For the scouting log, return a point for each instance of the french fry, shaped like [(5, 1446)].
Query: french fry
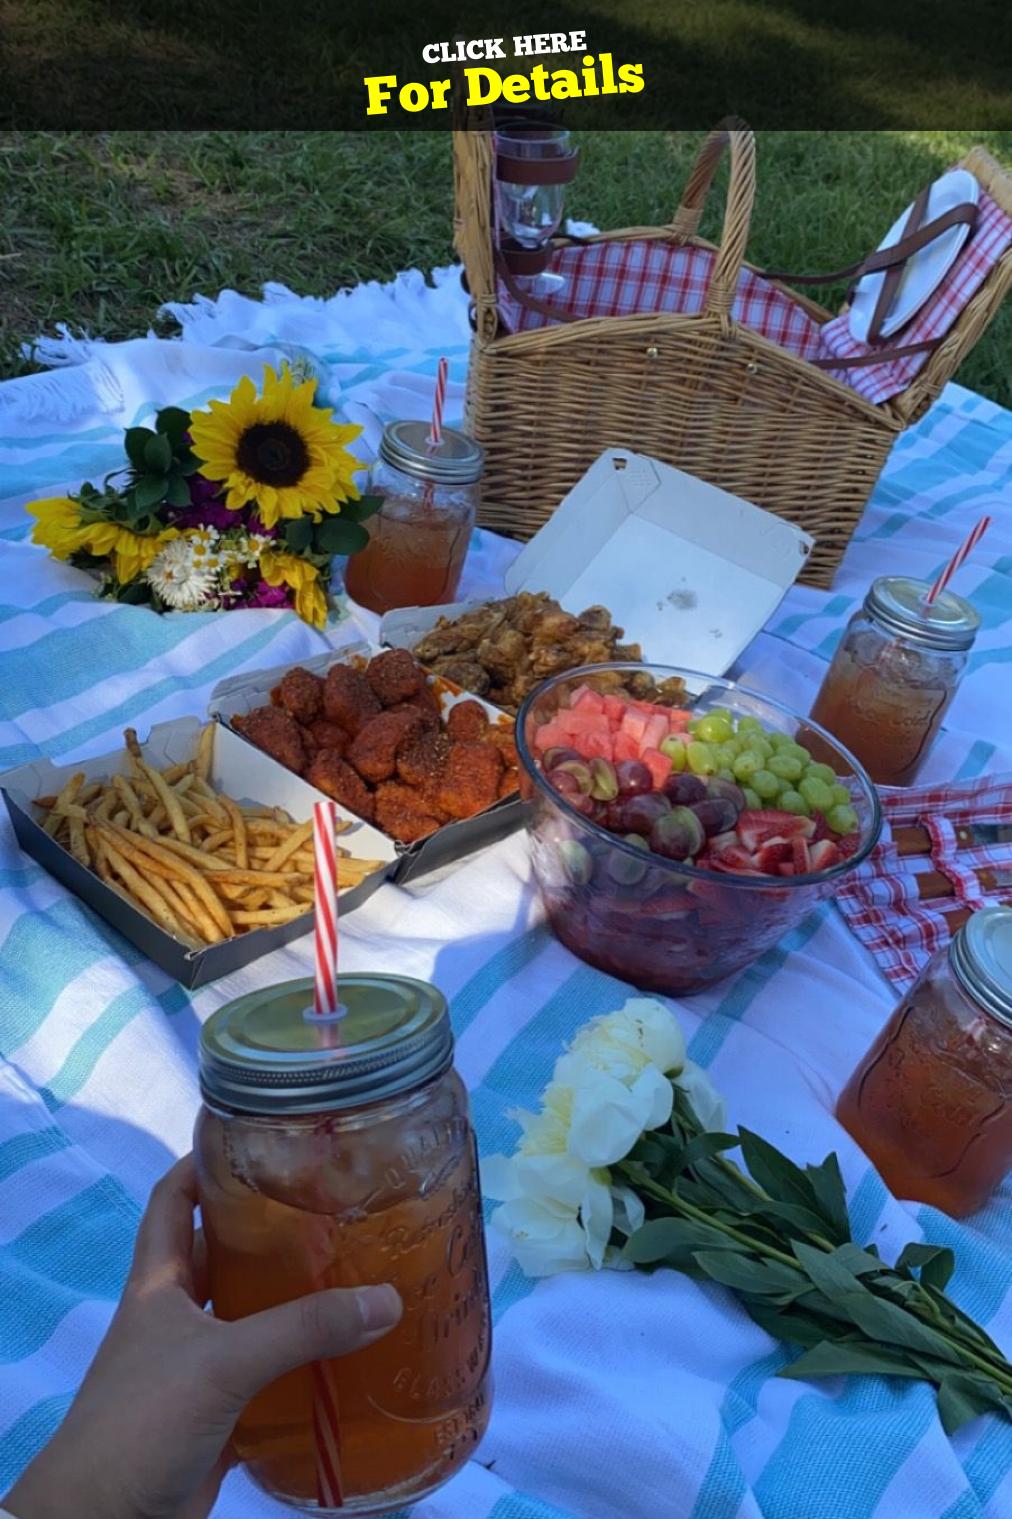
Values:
[(132, 803), (266, 915), (205, 751), (166, 795), (67, 795), (143, 891), (237, 877), (293, 842), (160, 859), (78, 845), (238, 830)]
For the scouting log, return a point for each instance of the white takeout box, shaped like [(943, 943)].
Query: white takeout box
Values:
[(690, 571), (241, 772)]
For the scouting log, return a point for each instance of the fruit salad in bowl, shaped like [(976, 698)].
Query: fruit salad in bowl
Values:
[(679, 823)]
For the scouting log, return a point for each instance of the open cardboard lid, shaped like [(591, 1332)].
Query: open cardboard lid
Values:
[(690, 571)]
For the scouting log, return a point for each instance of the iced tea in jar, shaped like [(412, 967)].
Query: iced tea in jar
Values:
[(931, 1102), (894, 674), (345, 1167)]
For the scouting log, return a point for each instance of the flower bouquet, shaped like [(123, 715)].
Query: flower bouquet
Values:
[(243, 504), (626, 1166)]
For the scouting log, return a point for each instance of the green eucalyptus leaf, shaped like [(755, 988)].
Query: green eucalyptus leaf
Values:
[(831, 1197), (136, 593), (337, 536), (850, 1358), (362, 509), (174, 422), (936, 1264), (157, 453), (745, 1274), (135, 442), (148, 491), (299, 534), (178, 493), (187, 462)]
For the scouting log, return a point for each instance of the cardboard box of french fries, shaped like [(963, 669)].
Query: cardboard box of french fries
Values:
[(193, 845)]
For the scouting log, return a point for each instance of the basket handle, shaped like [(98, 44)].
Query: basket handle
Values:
[(732, 135)]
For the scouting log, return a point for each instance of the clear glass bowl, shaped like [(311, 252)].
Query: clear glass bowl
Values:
[(660, 924)]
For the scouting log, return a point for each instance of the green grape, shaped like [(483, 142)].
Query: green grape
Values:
[(674, 749), (749, 725), (724, 755), (765, 784), (822, 773), (816, 793), (780, 740), (842, 819), (793, 801), (798, 751), (725, 775), (715, 728), (752, 798), (700, 757), (747, 764), (762, 746), (785, 765), (841, 796)]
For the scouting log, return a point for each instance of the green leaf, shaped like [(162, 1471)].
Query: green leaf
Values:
[(362, 509), (850, 1358), (859, 1261), (178, 493), (337, 536), (801, 1220), (794, 1325), (149, 490), (157, 453), (668, 1239), (135, 442), (135, 593), (936, 1263), (174, 422), (187, 462), (745, 1274), (776, 1174), (299, 534), (831, 1197), (963, 1396)]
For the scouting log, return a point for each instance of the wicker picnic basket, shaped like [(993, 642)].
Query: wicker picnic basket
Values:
[(701, 391)]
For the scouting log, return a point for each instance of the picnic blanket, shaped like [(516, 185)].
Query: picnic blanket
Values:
[(618, 1396)]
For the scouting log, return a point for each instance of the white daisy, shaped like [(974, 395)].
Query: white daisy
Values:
[(179, 579)]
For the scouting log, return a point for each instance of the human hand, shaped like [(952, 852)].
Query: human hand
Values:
[(147, 1435)]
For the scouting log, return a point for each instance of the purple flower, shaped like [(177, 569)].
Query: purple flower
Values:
[(264, 595)]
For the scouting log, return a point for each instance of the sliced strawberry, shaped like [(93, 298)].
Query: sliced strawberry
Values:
[(822, 829), (849, 844), (823, 854), (759, 826), (658, 764), (773, 853), (787, 869), (802, 856), (722, 841), (736, 860)]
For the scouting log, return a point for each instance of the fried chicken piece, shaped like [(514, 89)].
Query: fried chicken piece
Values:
[(599, 620), (550, 658), (400, 811), (627, 651), (349, 699), (422, 761), (555, 627), (502, 736), (276, 733), (467, 720), (466, 673), (331, 774), (395, 676), (510, 783), (503, 654), (373, 750), (427, 708), (301, 694), (327, 735), (470, 782)]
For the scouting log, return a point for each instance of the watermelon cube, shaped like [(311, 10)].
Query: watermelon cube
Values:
[(634, 723), (614, 709), (550, 736), (655, 730), (625, 747), (594, 744), (658, 764), (586, 700)]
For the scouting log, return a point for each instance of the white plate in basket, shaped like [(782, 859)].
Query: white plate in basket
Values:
[(925, 269)]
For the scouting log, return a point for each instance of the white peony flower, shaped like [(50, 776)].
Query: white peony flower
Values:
[(707, 1103), (608, 1116), (556, 1213), (643, 1032), (179, 579)]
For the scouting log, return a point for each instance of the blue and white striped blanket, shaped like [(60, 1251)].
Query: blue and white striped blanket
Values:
[(617, 1396)]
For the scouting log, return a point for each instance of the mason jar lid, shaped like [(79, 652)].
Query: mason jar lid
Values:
[(981, 959), (260, 1054), (897, 603), (455, 460)]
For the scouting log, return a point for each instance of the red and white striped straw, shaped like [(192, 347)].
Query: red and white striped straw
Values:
[(325, 1003), (326, 1440), (439, 400), (959, 558)]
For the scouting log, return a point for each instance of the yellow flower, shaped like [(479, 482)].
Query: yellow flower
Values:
[(276, 449), (59, 529), (304, 579)]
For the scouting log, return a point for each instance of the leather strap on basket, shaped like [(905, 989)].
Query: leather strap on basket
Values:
[(537, 171)]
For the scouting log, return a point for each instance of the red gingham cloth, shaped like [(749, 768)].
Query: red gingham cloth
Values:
[(640, 276), (626, 278), (988, 240), (880, 900)]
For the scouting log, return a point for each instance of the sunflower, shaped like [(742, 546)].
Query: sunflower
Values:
[(304, 578), (59, 529), (277, 449)]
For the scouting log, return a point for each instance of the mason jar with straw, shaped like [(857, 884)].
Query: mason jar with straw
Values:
[(334, 1149), (897, 669)]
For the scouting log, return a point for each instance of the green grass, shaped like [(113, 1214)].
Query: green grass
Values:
[(100, 228)]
